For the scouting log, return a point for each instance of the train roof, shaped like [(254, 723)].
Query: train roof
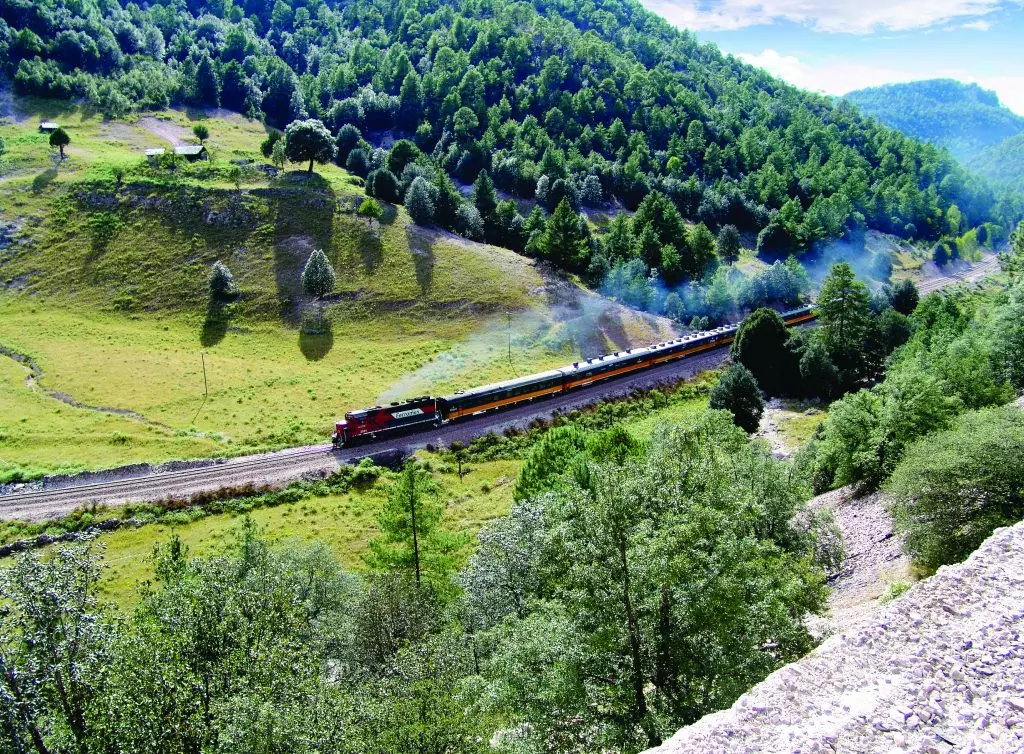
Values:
[(412, 402), (609, 358), (507, 384)]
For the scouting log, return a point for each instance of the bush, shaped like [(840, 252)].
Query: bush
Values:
[(383, 185), (953, 488), (737, 393), (420, 201), (221, 283)]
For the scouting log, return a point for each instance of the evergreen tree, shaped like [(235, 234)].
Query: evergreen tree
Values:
[(563, 242), (201, 132), (383, 185), (419, 201), (701, 244), (736, 392), (843, 310), (410, 101), (318, 276), (485, 199), (221, 283), (762, 346), (904, 297), (207, 91), (411, 541), (267, 145), (348, 139)]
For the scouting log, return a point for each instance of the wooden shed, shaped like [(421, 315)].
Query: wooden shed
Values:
[(192, 152), (48, 126)]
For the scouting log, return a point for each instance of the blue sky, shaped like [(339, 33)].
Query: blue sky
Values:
[(836, 47)]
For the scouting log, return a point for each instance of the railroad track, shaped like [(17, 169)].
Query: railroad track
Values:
[(987, 266), (118, 487)]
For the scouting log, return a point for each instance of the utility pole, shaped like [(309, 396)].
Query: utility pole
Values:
[(509, 315), (206, 387)]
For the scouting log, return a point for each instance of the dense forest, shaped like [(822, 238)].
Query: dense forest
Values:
[(964, 118), (590, 104)]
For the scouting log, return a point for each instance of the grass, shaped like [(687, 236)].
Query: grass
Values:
[(344, 522), (798, 422), (104, 287)]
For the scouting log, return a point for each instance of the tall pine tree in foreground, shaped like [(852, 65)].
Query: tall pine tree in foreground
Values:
[(412, 541)]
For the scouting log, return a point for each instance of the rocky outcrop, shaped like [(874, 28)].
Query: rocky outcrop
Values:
[(940, 669)]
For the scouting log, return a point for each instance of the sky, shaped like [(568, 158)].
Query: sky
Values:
[(835, 47)]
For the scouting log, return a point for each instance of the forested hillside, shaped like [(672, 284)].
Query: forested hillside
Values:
[(591, 104), (964, 118)]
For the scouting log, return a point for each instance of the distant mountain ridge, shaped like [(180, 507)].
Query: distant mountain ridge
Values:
[(964, 118)]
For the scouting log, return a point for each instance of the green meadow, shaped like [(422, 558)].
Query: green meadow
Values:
[(103, 285)]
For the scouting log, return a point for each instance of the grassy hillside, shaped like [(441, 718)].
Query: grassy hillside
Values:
[(103, 284), (345, 522)]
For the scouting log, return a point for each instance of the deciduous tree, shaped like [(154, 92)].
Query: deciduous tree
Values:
[(309, 140)]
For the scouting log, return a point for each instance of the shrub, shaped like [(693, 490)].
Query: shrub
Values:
[(737, 393), (954, 487), (420, 201), (221, 283)]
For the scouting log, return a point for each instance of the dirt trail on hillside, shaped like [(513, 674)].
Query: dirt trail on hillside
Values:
[(171, 132), (34, 378)]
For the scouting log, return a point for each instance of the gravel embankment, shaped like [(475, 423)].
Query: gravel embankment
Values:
[(874, 558), (940, 669)]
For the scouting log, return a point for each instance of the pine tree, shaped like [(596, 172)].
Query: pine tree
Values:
[(485, 199), (844, 313), (318, 277), (419, 201), (563, 241), (207, 90), (221, 283), (411, 540)]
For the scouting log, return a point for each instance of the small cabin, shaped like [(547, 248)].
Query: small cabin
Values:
[(192, 152), (48, 126), (155, 154)]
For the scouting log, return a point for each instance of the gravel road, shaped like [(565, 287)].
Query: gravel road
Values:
[(147, 484)]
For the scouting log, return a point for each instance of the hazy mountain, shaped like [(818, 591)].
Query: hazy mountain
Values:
[(964, 118)]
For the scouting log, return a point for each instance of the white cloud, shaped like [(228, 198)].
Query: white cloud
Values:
[(978, 25), (829, 78), (861, 17)]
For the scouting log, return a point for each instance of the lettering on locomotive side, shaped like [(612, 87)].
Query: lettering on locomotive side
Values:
[(408, 413)]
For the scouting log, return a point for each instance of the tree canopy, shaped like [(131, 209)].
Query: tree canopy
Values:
[(605, 97)]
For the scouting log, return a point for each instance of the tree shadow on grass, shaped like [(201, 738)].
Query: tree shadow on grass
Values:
[(43, 180), (371, 250), (215, 326), (316, 345), (422, 259)]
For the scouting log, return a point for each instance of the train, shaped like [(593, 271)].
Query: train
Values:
[(404, 417)]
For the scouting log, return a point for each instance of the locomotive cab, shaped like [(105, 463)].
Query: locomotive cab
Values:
[(340, 435)]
